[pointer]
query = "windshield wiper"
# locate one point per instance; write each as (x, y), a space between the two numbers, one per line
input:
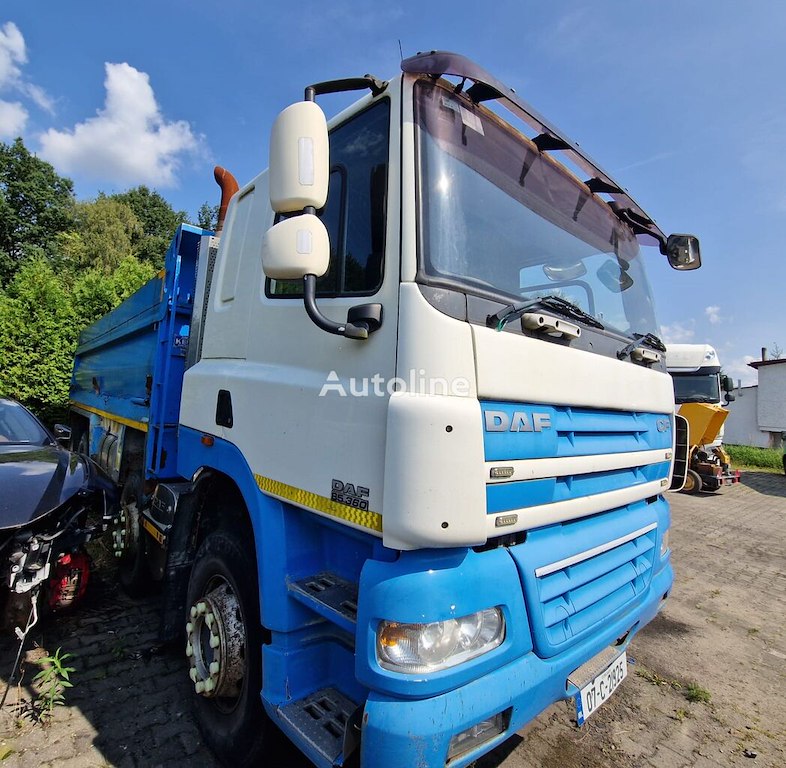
(555, 303)
(650, 339)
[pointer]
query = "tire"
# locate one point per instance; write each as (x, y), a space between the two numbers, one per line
(693, 482)
(227, 703)
(132, 569)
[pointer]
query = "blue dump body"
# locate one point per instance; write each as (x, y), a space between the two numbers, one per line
(129, 365)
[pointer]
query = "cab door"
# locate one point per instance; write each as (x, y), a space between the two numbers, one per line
(311, 407)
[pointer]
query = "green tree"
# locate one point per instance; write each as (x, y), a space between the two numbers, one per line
(103, 236)
(95, 293)
(207, 216)
(158, 221)
(37, 339)
(35, 205)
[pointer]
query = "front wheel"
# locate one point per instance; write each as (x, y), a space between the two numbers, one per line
(224, 649)
(129, 540)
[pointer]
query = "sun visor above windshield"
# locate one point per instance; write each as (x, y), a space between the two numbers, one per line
(548, 137)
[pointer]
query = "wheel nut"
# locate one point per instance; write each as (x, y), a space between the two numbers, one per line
(214, 641)
(201, 607)
(209, 685)
(189, 628)
(209, 619)
(193, 612)
(199, 687)
(189, 650)
(192, 673)
(214, 668)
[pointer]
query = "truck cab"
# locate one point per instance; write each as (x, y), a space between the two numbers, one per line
(425, 427)
(696, 372)
(700, 392)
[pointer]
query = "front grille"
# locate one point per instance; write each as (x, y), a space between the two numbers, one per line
(577, 593)
(574, 432)
(503, 497)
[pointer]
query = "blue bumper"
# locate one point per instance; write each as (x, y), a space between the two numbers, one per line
(417, 733)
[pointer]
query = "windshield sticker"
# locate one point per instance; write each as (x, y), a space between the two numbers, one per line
(468, 118)
(471, 120)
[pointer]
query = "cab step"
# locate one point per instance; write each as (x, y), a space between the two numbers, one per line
(320, 720)
(330, 596)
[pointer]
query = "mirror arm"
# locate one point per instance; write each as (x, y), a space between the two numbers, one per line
(349, 330)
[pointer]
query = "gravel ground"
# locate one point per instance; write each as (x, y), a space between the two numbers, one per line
(720, 637)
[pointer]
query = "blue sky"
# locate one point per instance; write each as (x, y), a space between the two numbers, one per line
(683, 101)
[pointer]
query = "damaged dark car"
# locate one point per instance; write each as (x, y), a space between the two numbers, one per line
(52, 502)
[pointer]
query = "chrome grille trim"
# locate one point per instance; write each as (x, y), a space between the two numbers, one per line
(581, 556)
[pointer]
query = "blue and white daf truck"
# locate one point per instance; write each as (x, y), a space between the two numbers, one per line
(394, 445)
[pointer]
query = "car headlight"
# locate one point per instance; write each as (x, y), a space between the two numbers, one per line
(419, 648)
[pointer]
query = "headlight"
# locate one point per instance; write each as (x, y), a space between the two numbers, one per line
(664, 543)
(419, 648)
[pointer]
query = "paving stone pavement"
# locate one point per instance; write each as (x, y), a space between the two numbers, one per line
(129, 706)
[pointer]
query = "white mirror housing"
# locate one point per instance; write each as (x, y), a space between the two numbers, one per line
(296, 247)
(299, 158)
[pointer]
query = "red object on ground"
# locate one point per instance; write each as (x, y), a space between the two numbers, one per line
(68, 582)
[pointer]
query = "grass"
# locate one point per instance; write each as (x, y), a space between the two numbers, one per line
(52, 681)
(656, 679)
(760, 458)
(694, 692)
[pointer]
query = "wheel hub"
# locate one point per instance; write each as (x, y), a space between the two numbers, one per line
(125, 529)
(215, 644)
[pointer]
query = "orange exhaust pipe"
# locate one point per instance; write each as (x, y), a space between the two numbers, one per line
(229, 186)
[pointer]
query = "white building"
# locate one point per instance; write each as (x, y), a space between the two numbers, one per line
(757, 416)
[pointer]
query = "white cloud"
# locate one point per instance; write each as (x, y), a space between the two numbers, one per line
(128, 142)
(713, 314)
(40, 97)
(677, 333)
(13, 118)
(12, 54)
(739, 370)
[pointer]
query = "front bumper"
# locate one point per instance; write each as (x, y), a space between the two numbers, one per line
(417, 733)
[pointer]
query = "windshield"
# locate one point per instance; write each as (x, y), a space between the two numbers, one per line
(500, 217)
(18, 426)
(696, 388)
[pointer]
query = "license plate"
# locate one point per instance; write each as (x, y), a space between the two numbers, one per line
(598, 690)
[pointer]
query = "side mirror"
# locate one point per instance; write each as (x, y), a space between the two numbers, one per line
(299, 159)
(62, 434)
(296, 247)
(727, 383)
(683, 251)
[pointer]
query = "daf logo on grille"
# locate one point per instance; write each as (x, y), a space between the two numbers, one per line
(520, 421)
(663, 425)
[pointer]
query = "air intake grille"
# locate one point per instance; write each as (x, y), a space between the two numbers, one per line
(579, 592)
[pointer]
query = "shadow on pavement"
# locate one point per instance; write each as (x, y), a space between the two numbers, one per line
(770, 483)
(130, 704)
